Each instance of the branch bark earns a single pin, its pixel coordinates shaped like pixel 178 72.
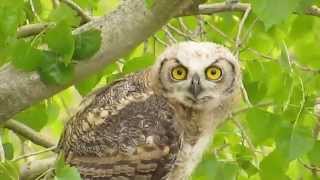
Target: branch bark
pixel 209 9
pixel 28 133
pixel 121 30
pixel 34 168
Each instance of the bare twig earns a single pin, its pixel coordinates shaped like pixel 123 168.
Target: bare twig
pixel 244 133
pixel 316 129
pixel 85 17
pixel 241 25
pixel 305 68
pixel 35 153
pixel 34 10
pixel 169 35
pixel 31 29
pixel 184 26
pixel 28 133
pixel 160 41
pixel 180 33
pixel 310 167
pixel 55 3
pixel 221 33
pixel 242 110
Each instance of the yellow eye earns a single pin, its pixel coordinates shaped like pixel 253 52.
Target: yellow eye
pixel 213 73
pixel 179 73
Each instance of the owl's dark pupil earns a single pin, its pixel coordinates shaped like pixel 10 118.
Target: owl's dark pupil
pixel 213 72
pixel 179 72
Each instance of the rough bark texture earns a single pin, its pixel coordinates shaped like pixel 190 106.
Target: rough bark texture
pixel 122 30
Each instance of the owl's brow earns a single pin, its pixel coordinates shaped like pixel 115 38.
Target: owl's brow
pixel 159 77
pixel 230 88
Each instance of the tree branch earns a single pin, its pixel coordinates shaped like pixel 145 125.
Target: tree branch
pixel 34 168
pixel 28 133
pixel 31 29
pixel 209 9
pixel 121 31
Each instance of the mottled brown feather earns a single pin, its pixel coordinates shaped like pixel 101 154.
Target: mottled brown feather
pixel 122 132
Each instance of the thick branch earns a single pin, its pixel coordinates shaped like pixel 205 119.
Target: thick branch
pixel 209 9
pixel 28 133
pixel 121 31
pixel 33 168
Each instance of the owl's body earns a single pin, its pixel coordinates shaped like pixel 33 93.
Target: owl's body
pixel 150 126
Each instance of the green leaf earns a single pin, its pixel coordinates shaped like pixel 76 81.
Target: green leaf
pixel 57 73
pixel 65 172
pixel 302 27
pixel 274 167
pixel 9 171
pixel 54 72
pixel 262 125
pixel 53 109
pixel 303 4
pixel 25 57
pixel 88 4
pixel 138 64
pixel 64 14
pixel 8 150
pixel 307 52
pixel 149 3
pixel 35 117
pixel 11 15
pixel 88 84
pixel 87 44
pixel 294 142
pixel 61 41
pixel 273 12
pixel 255 81
pixel 285 58
pixel 212 169
pixel 244 156
pixel 314 154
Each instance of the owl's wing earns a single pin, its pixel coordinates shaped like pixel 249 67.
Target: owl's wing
pixel 122 132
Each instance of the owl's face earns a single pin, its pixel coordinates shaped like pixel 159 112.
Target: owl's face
pixel 198 75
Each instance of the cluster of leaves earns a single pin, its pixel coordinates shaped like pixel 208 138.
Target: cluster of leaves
pixel 272 139
pixel 54 63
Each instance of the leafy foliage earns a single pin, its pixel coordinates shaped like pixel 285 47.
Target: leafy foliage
pixel 275 138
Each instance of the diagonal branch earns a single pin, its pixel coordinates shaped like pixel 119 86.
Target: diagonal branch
pixel 28 133
pixel 209 9
pixel 121 31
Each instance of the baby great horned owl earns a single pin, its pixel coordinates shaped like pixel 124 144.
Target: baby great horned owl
pixel 156 124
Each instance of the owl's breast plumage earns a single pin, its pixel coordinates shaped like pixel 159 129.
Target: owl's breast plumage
pixel 123 131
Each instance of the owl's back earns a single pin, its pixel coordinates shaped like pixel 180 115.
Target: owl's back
pixel 123 131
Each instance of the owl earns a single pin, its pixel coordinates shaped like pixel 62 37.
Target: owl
pixel 154 124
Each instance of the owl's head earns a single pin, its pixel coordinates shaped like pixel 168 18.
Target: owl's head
pixel 198 75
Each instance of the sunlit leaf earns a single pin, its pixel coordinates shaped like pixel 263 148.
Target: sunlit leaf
pixel 273 12
pixel 87 44
pixel 262 125
pixel 25 57
pixel 64 14
pixel 61 41
pixel 88 84
pixel 35 117
pixel 137 64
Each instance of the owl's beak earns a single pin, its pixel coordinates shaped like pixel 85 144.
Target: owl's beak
pixel 195 87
